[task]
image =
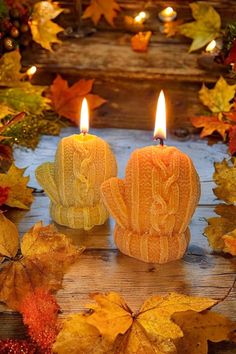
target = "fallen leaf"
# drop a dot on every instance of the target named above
(45, 256)
(4, 191)
(140, 41)
(40, 314)
(172, 28)
(231, 57)
(8, 238)
(206, 27)
(25, 98)
(99, 8)
(225, 178)
(10, 67)
(79, 337)
(19, 195)
(151, 330)
(218, 227)
(44, 31)
(210, 125)
(218, 99)
(230, 242)
(199, 328)
(66, 101)
(232, 140)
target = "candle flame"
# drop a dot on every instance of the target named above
(160, 124)
(31, 71)
(211, 46)
(140, 17)
(84, 117)
(168, 11)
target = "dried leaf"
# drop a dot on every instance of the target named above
(232, 140)
(99, 8)
(210, 125)
(25, 98)
(44, 31)
(19, 195)
(172, 28)
(40, 314)
(225, 178)
(140, 41)
(206, 27)
(66, 101)
(219, 98)
(199, 328)
(45, 257)
(149, 331)
(79, 337)
(8, 238)
(218, 227)
(10, 67)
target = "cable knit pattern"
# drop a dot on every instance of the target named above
(153, 205)
(73, 181)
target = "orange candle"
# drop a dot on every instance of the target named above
(155, 201)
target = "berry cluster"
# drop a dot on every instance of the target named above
(14, 30)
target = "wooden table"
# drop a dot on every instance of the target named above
(102, 268)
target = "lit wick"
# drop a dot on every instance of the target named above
(160, 123)
(84, 117)
(31, 71)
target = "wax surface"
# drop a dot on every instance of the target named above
(153, 204)
(72, 182)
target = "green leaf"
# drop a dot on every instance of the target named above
(206, 27)
(26, 98)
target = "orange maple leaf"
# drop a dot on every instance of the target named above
(140, 41)
(230, 244)
(66, 101)
(40, 311)
(210, 125)
(99, 8)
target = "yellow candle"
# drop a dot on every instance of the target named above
(167, 15)
(155, 201)
(82, 163)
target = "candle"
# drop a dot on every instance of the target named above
(211, 47)
(31, 71)
(72, 182)
(140, 18)
(155, 201)
(167, 15)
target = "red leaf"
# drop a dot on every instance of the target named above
(40, 311)
(231, 58)
(232, 140)
(8, 346)
(4, 191)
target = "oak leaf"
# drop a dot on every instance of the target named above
(99, 8)
(77, 336)
(66, 101)
(19, 195)
(45, 255)
(40, 314)
(199, 328)
(218, 99)
(10, 67)
(44, 31)
(151, 330)
(206, 27)
(172, 28)
(225, 178)
(220, 231)
(8, 238)
(210, 124)
(140, 41)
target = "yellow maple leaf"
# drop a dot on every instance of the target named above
(45, 255)
(44, 31)
(79, 337)
(220, 227)
(99, 8)
(151, 330)
(205, 28)
(8, 238)
(225, 178)
(218, 99)
(19, 195)
(198, 328)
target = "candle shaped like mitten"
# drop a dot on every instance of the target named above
(72, 182)
(153, 204)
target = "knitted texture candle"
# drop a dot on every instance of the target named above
(153, 204)
(73, 181)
